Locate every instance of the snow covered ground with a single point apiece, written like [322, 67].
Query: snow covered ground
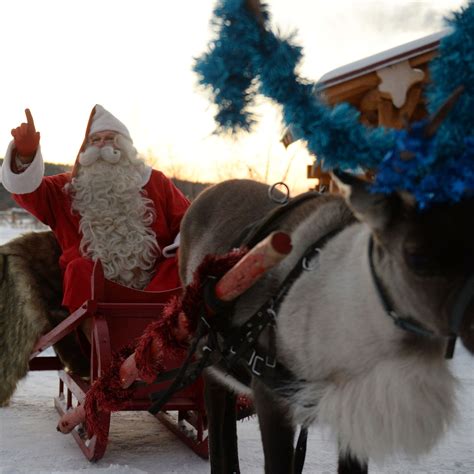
[29, 442]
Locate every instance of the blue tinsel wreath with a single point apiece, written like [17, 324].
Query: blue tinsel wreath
[246, 58]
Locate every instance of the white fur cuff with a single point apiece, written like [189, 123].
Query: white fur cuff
[25, 182]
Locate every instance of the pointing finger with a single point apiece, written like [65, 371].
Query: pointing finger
[29, 119]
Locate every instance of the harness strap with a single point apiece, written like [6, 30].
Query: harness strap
[409, 324]
[255, 232]
[241, 344]
[406, 323]
[186, 374]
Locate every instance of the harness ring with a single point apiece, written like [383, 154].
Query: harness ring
[286, 192]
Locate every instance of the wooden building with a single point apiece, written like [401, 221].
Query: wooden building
[387, 88]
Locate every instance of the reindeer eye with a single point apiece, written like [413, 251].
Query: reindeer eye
[418, 260]
[421, 263]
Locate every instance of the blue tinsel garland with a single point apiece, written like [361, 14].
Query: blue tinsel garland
[245, 58]
[442, 168]
[430, 179]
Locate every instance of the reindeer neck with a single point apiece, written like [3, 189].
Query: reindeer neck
[341, 285]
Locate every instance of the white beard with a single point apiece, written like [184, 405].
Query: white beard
[116, 217]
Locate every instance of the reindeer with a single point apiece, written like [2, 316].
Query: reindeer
[359, 337]
[381, 388]
[30, 305]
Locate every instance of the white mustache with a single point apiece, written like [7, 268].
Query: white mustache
[93, 153]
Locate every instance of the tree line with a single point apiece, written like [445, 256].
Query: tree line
[188, 188]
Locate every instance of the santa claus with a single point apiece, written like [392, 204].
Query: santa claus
[112, 207]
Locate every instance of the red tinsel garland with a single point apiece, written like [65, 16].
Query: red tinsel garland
[106, 395]
[159, 339]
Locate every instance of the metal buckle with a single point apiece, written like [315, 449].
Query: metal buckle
[309, 264]
[271, 312]
[271, 364]
[250, 361]
[256, 359]
[393, 314]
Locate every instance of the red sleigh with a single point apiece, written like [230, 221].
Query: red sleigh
[119, 315]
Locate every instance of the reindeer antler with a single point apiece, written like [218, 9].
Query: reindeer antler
[437, 119]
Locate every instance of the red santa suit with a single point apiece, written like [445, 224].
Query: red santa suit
[45, 198]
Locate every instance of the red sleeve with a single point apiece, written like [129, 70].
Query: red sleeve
[42, 202]
[175, 203]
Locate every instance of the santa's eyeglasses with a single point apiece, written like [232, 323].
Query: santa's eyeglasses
[102, 139]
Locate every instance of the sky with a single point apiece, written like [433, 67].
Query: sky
[135, 58]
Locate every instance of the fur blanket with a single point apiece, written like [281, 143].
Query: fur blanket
[30, 305]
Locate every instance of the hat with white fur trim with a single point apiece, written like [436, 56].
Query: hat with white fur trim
[100, 120]
[103, 120]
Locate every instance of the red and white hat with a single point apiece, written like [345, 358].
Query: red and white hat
[101, 120]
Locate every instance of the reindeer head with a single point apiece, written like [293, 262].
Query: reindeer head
[423, 257]
[426, 252]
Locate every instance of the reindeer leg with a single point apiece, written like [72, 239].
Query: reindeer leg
[350, 465]
[276, 430]
[222, 427]
[230, 435]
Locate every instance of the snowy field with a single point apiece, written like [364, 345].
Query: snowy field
[29, 442]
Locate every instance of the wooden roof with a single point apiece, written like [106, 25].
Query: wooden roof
[386, 87]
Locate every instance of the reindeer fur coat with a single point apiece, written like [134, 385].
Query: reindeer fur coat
[30, 304]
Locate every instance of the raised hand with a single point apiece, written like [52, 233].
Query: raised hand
[26, 137]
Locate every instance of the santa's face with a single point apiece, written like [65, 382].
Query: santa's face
[103, 145]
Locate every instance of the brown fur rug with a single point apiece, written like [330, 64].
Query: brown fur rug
[30, 305]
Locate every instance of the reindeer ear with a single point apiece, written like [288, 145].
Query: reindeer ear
[374, 209]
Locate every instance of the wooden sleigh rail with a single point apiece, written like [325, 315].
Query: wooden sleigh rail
[119, 315]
